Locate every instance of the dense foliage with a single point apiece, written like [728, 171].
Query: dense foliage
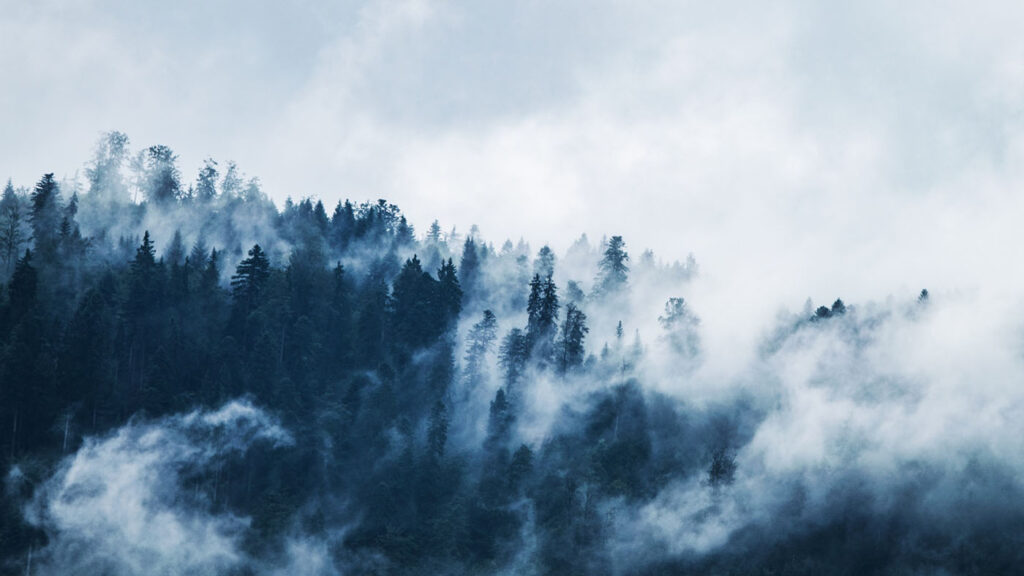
[413, 374]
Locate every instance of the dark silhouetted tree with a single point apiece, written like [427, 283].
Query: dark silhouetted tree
[613, 272]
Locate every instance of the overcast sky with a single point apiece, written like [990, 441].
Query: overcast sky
[797, 148]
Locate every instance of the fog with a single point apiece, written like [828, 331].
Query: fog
[722, 412]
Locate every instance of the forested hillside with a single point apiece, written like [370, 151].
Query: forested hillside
[195, 381]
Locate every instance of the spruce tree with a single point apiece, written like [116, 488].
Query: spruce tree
[613, 272]
[249, 279]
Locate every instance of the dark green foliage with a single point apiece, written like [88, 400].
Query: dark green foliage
[249, 279]
[513, 354]
[571, 351]
[542, 317]
[161, 180]
[12, 230]
[45, 216]
[469, 269]
[206, 181]
[404, 461]
[479, 342]
[449, 295]
[613, 271]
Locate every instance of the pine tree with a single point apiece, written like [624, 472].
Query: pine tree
[206, 181]
[512, 356]
[571, 351]
[418, 314]
[544, 264]
[12, 234]
[250, 277]
[613, 272]
[469, 268]
[46, 218]
[449, 295]
[680, 326]
[480, 340]
[143, 288]
[175, 253]
[542, 316]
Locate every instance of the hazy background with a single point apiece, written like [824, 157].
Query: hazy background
[796, 149]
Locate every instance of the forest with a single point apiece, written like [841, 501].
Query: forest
[194, 380]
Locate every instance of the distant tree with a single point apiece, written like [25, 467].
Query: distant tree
[249, 279]
[479, 342]
[500, 419]
[46, 217]
[405, 235]
[544, 264]
[417, 315]
[680, 326]
[161, 181]
[206, 181]
[469, 268]
[175, 253]
[106, 183]
[512, 356]
[12, 233]
[613, 272]
[573, 293]
[210, 278]
[571, 351]
[320, 221]
[449, 294]
[144, 281]
[199, 255]
[231, 184]
[434, 233]
[542, 316]
[343, 224]
[838, 307]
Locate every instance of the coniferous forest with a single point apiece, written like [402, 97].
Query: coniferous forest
[194, 380]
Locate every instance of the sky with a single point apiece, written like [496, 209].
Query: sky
[797, 149]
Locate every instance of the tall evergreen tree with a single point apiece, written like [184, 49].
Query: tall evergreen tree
[206, 181]
[449, 294]
[571, 351]
[469, 268]
[544, 264]
[479, 343]
[512, 356]
[250, 277]
[418, 313]
[12, 233]
[46, 217]
[613, 272]
[542, 317]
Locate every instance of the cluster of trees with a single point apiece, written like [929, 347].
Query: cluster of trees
[401, 365]
[368, 342]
